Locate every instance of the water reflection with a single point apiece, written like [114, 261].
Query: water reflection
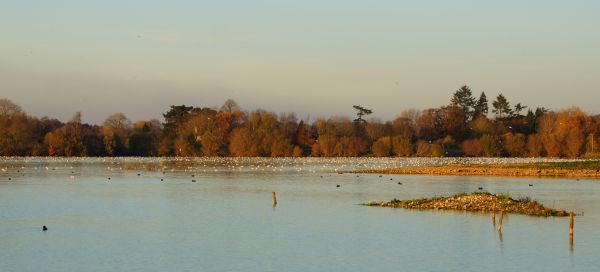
[571, 243]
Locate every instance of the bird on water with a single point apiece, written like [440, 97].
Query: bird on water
[44, 228]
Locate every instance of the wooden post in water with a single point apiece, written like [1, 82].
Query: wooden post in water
[571, 224]
[274, 199]
[500, 220]
[494, 214]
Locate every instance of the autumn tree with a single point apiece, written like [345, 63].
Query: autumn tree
[574, 124]
[303, 138]
[491, 145]
[429, 149]
[8, 108]
[403, 126]
[261, 135]
[115, 131]
[535, 147]
[289, 124]
[67, 140]
[375, 130]
[145, 138]
[452, 122]
[472, 148]
[532, 118]
[514, 144]
[174, 117]
[427, 125]
[382, 147]
[350, 147]
[591, 144]
[15, 130]
[479, 126]
[242, 143]
[551, 138]
[199, 135]
[450, 146]
[92, 140]
[402, 146]
[17, 135]
[230, 106]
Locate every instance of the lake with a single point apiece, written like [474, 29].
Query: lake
[212, 214]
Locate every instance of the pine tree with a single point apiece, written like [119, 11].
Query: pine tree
[518, 109]
[360, 112]
[481, 106]
[463, 98]
[501, 107]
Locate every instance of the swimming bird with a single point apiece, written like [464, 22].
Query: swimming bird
[337, 186]
[44, 228]
[480, 188]
[400, 183]
[530, 185]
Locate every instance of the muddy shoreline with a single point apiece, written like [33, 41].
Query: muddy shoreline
[487, 170]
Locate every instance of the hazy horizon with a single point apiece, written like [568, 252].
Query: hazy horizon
[312, 58]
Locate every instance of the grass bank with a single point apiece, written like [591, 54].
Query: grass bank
[575, 169]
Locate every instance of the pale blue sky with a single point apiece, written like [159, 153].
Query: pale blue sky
[316, 58]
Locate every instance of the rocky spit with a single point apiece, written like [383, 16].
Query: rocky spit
[475, 202]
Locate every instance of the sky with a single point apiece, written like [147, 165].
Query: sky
[314, 58]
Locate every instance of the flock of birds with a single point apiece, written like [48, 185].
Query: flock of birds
[208, 165]
[218, 165]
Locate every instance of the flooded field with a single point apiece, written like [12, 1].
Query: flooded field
[214, 214]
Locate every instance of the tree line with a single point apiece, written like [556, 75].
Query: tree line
[464, 127]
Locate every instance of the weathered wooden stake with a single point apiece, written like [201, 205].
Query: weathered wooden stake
[274, 199]
[571, 223]
[494, 214]
[500, 220]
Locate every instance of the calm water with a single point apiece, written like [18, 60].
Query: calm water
[225, 220]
